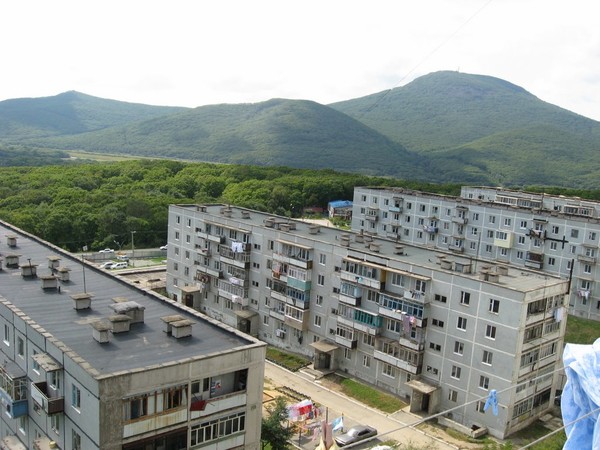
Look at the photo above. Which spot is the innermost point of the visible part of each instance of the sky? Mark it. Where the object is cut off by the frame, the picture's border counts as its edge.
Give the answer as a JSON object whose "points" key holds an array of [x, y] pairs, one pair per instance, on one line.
{"points": [[200, 52]]}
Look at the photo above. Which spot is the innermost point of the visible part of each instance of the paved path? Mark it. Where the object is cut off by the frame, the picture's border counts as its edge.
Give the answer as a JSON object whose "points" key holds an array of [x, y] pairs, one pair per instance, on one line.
{"points": [[354, 412]]}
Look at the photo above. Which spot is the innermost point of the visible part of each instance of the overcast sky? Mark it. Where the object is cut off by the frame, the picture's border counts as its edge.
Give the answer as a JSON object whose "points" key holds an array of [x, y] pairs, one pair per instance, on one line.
{"points": [[199, 52]]}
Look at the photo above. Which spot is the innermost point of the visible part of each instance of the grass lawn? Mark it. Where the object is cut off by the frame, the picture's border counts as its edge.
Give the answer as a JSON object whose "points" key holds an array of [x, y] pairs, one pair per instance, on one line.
{"points": [[368, 395], [289, 361], [582, 331]]}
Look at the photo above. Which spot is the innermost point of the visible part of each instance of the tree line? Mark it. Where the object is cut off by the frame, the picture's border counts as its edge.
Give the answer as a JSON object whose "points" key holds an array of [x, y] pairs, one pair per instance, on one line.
{"points": [[100, 204]]}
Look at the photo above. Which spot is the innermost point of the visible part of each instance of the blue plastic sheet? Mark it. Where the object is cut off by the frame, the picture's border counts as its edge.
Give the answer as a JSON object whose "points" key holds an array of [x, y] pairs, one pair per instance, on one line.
{"points": [[581, 396]]}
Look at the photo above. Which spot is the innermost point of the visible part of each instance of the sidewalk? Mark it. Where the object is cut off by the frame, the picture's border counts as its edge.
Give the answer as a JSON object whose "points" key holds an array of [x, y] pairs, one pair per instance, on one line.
{"points": [[354, 412]]}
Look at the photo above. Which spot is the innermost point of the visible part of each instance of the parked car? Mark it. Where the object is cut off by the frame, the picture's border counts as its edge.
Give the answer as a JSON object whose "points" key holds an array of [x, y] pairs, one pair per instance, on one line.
{"points": [[106, 250], [123, 257], [355, 434], [163, 247], [107, 265], [120, 265]]}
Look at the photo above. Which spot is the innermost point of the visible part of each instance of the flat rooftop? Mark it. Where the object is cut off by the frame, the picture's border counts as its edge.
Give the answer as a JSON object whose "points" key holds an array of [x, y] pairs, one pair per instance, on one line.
{"points": [[387, 250], [146, 344]]}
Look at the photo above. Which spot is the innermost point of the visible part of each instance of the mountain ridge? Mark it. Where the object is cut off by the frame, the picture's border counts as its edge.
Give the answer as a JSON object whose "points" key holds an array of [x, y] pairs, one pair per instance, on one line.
{"points": [[442, 127]]}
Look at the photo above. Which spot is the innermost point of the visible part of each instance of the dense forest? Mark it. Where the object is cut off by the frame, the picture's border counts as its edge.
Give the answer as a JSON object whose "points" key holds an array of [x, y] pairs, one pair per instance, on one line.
{"points": [[99, 204]]}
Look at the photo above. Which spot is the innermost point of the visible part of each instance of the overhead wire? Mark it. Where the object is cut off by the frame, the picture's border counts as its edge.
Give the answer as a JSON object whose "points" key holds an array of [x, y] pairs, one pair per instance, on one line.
{"points": [[432, 52]]}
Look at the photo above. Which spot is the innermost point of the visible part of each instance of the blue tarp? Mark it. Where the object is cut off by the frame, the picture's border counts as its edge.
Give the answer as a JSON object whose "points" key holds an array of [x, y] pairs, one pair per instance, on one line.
{"points": [[581, 396]]}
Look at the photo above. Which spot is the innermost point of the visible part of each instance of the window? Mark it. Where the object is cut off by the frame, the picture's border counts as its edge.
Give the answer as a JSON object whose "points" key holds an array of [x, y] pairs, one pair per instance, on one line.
{"points": [[592, 235], [492, 219], [490, 233], [388, 370], [554, 229], [459, 347], [321, 280], [437, 323], [507, 221], [20, 347], [217, 429], [266, 320], [348, 354], [318, 321], [553, 245], [366, 361], [368, 339], [319, 300], [487, 357], [435, 347], [574, 233], [6, 334], [75, 437], [474, 231], [519, 255], [475, 216], [484, 382], [322, 258], [452, 395], [173, 398], [75, 397], [456, 372], [461, 323], [551, 261], [55, 423], [523, 224], [136, 408], [34, 364], [55, 379], [177, 235], [490, 332], [494, 306], [479, 406], [440, 298], [465, 298], [488, 248]]}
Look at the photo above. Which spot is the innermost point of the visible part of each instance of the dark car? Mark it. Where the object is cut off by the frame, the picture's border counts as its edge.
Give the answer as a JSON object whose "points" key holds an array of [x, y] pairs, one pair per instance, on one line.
{"points": [[355, 434]]}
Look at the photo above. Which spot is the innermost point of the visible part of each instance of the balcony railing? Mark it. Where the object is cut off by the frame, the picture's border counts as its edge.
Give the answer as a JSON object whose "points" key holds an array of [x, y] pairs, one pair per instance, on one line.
{"points": [[51, 405]]}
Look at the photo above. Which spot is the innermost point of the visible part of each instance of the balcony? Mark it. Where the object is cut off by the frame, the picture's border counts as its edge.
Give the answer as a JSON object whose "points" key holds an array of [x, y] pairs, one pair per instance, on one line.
{"points": [[586, 258], [297, 324], [209, 271], [361, 321], [13, 389], [350, 343], [278, 314], [396, 362], [456, 248], [302, 285], [395, 209], [51, 405], [397, 315], [235, 258], [364, 281], [460, 220], [430, 229], [534, 260]]}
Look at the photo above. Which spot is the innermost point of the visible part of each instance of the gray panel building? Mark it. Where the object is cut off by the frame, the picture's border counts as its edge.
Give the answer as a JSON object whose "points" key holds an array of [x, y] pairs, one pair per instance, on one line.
{"points": [[436, 327], [92, 362], [555, 234]]}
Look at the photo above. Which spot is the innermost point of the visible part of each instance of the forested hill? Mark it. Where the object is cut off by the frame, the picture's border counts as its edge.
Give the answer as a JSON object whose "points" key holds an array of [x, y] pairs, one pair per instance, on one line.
{"points": [[278, 132], [442, 127], [69, 113]]}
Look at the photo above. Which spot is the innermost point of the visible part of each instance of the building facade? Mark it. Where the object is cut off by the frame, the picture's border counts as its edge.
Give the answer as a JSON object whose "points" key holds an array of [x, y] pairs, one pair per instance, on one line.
{"points": [[554, 234], [90, 361], [437, 328]]}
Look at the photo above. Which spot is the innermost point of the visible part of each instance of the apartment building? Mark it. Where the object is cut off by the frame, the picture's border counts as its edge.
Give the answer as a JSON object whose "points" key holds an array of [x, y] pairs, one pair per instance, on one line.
{"points": [[91, 361], [435, 327], [555, 234]]}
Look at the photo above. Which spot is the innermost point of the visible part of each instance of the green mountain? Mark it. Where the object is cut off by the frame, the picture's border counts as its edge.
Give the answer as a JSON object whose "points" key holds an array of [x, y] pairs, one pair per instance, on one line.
{"points": [[294, 133], [69, 113], [442, 127]]}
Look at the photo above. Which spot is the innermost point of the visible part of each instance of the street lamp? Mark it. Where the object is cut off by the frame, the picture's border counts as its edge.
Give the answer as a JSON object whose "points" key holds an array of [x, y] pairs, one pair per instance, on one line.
{"points": [[132, 248]]}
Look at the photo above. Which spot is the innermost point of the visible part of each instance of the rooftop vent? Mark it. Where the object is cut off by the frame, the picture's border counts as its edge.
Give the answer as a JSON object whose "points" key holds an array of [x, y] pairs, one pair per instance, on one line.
{"points": [[399, 249], [284, 226], [201, 208], [345, 238], [269, 222], [314, 229], [374, 247], [446, 264], [11, 240], [502, 270], [119, 323], [177, 326], [132, 309], [49, 282], [53, 262], [28, 270], [82, 300], [101, 331], [245, 215], [12, 260], [63, 273]]}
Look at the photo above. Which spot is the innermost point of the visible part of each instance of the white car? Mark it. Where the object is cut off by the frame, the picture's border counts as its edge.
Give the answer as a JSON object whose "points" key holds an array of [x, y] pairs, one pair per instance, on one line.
{"points": [[106, 250], [120, 265], [123, 257], [163, 247], [107, 265]]}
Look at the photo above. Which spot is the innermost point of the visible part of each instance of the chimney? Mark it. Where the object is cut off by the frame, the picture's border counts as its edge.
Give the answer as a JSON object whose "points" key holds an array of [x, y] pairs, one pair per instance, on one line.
{"points": [[100, 331]]}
